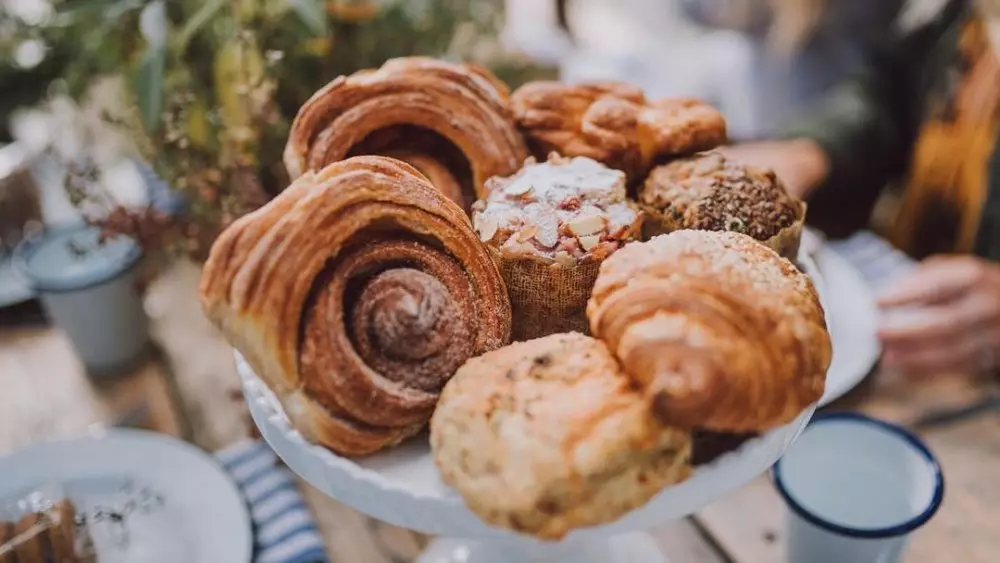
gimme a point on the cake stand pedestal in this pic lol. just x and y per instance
(401, 486)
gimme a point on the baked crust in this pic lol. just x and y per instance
(548, 227)
(614, 123)
(548, 435)
(711, 192)
(465, 105)
(722, 332)
(355, 294)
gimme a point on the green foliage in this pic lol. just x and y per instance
(216, 83)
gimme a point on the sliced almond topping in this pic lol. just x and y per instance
(487, 229)
(518, 188)
(565, 258)
(526, 233)
(590, 241)
(587, 225)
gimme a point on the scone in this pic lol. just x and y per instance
(548, 228)
(713, 193)
(548, 435)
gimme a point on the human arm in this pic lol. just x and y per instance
(944, 317)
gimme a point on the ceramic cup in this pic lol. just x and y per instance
(855, 488)
(88, 289)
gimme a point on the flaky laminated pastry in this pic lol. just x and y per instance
(450, 121)
(548, 435)
(614, 123)
(722, 332)
(356, 294)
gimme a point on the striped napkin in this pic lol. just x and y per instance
(879, 262)
(283, 527)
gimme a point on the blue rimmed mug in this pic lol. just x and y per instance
(855, 487)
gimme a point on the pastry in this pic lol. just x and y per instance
(614, 123)
(725, 334)
(43, 531)
(548, 435)
(711, 192)
(450, 121)
(549, 227)
(355, 294)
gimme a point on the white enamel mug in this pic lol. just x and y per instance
(88, 289)
(855, 488)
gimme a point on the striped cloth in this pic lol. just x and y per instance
(283, 527)
(879, 262)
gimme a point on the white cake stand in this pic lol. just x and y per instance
(402, 487)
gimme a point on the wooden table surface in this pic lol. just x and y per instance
(189, 389)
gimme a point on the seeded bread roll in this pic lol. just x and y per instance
(549, 227)
(710, 192)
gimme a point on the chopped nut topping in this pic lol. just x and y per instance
(527, 233)
(487, 229)
(589, 242)
(518, 188)
(586, 225)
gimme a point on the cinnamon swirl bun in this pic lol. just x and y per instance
(450, 121)
(356, 294)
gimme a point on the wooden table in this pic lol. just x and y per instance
(189, 389)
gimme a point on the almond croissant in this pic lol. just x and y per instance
(727, 335)
(356, 294)
(614, 123)
(450, 121)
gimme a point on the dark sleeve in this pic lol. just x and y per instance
(868, 125)
(863, 125)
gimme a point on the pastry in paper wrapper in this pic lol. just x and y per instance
(549, 227)
(711, 192)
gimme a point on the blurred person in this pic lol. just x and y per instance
(756, 60)
(923, 116)
(799, 48)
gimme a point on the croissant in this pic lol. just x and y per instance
(549, 435)
(355, 295)
(711, 192)
(614, 123)
(450, 121)
(548, 227)
(724, 333)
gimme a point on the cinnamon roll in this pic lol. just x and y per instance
(711, 192)
(723, 333)
(450, 121)
(356, 294)
(548, 227)
(614, 123)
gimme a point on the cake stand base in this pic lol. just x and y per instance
(633, 547)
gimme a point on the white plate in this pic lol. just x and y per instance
(851, 317)
(402, 485)
(185, 507)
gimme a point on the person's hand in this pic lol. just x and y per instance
(944, 317)
(800, 164)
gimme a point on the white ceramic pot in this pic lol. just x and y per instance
(88, 290)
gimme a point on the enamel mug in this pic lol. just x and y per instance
(88, 290)
(855, 488)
